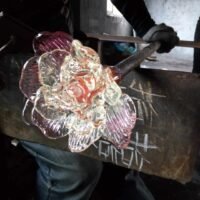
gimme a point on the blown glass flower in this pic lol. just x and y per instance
(73, 94)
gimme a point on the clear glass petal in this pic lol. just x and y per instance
(112, 91)
(96, 114)
(48, 106)
(82, 53)
(50, 65)
(83, 136)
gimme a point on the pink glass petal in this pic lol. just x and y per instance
(121, 119)
(47, 41)
(29, 80)
(51, 128)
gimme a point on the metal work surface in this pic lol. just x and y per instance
(165, 141)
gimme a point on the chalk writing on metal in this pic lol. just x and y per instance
(133, 155)
(144, 105)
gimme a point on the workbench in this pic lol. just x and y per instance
(165, 141)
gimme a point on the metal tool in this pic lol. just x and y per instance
(125, 66)
(129, 39)
(133, 61)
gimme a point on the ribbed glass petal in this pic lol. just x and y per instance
(51, 128)
(83, 135)
(49, 41)
(29, 80)
(121, 119)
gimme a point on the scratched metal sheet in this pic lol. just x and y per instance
(165, 141)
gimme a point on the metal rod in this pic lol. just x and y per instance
(129, 39)
(133, 61)
(191, 44)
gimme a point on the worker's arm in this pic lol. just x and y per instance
(138, 16)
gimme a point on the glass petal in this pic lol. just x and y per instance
(51, 128)
(80, 140)
(48, 106)
(121, 119)
(112, 93)
(48, 41)
(82, 134)
(50, 65)
(96, 114)
(29, 80)
(82, 53)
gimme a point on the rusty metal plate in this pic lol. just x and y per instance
(165, 141)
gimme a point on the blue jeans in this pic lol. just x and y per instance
(63, 175)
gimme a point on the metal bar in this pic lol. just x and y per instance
(190, 44)
(116, 38)
(129, 39)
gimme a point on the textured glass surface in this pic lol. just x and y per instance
(73, 94)
(47, 41)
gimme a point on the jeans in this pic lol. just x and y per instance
(63, 175)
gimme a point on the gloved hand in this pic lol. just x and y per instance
(165, 35)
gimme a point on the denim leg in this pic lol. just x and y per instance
(63, 175)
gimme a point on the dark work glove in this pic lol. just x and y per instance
(165, 35)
